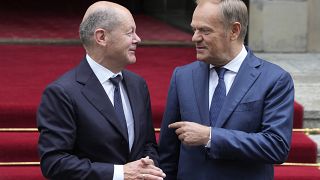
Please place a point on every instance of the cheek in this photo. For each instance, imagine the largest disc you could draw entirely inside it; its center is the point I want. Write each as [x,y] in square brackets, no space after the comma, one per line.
[212,46]
[210,41]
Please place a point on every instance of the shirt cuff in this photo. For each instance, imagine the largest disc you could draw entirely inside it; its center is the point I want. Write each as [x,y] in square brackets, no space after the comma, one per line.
[208,145]
[118,173]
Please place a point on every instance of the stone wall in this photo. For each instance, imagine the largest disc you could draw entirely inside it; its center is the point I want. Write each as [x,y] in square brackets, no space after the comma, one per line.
[284,25]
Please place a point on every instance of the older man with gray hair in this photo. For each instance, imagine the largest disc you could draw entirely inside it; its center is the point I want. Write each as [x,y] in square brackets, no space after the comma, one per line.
[95,121]
[229,114]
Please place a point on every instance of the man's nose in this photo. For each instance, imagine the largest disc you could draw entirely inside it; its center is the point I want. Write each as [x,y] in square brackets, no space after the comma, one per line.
[196,37]
[137,38]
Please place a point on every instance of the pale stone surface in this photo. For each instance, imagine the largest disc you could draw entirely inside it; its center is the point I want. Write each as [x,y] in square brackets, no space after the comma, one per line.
[285,26]
[255,31]
[314,26]
[278,25]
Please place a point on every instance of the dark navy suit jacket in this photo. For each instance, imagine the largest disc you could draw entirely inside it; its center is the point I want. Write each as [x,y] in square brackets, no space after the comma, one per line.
[80,136]
[253,130]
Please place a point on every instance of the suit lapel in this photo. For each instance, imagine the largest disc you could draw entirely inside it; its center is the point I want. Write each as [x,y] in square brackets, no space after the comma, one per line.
[245,78]
[96,95]
[201,88]
[134,99]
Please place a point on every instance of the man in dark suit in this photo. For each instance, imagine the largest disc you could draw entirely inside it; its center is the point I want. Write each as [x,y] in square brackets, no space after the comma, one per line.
[229,115]
[95,121]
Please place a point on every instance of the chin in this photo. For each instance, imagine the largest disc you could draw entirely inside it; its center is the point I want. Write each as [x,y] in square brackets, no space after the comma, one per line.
[201,57]
[132,60]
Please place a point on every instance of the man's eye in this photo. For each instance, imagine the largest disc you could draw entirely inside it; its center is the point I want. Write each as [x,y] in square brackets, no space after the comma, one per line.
[202,31]
[205,31]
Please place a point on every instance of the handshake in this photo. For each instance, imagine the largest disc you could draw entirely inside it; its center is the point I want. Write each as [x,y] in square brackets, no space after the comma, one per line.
[143,168]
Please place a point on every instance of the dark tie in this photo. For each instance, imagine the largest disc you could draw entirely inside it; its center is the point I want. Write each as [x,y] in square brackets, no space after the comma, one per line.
[218,97]
[118,102]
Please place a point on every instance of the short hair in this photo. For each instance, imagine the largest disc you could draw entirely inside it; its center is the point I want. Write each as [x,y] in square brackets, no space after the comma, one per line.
[106,19]
[232,11]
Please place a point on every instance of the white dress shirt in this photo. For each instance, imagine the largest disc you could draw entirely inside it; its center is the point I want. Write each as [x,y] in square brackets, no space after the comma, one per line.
[103,74]
[232,69]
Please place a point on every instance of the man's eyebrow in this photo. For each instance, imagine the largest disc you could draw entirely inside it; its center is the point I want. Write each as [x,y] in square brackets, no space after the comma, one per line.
[200,27]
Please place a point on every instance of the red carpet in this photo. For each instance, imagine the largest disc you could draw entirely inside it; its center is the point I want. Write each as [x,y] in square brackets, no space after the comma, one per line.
[296,173]
[19,147]
[18,25]
[20,172]
[303,149]
[25,71]
[23,81]
[298,116]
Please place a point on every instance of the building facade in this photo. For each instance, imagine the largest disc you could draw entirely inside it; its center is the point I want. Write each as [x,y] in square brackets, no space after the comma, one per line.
[290,26]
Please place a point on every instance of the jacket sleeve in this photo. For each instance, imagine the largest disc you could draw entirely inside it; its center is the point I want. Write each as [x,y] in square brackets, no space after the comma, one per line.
[151,147]
[169,146]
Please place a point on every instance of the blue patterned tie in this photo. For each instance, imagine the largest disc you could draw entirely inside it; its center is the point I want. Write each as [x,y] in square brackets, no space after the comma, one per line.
[118,102]
[218,97]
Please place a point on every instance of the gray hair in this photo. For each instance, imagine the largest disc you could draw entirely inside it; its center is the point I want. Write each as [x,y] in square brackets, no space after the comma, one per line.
[232,11]
[106,19]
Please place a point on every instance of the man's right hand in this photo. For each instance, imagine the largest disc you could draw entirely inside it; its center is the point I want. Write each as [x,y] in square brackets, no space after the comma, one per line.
[143,168]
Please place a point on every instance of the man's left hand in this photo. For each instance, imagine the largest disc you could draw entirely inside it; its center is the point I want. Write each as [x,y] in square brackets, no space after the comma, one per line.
[190,133]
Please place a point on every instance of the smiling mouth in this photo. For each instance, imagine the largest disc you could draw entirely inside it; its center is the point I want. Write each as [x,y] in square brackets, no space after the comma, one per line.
[131,51]
[133,48]
[200,48]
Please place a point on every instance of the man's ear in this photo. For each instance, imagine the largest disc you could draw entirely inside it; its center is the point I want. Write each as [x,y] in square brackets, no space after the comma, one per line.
[100,36]
[235,31]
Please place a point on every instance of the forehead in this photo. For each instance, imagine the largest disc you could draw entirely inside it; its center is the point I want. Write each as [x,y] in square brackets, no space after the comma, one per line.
[206,14]
[128,20]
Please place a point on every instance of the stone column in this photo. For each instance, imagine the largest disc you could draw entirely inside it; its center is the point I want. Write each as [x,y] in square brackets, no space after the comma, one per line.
[314,26]
[278,25]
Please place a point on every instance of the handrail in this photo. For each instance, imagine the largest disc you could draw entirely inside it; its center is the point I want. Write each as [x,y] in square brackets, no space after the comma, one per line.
[19,163]
[18,129]
[308,130]
[301,164]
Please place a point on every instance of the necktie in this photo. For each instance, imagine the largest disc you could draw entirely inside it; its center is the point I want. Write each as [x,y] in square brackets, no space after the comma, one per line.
[118,102]
[218,97]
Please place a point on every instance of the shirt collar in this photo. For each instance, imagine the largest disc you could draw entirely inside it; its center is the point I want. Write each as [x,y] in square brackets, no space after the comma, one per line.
[234,64]
[103,74]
